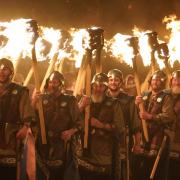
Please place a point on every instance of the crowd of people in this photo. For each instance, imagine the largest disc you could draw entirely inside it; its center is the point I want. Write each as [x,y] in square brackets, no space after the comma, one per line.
[115,148]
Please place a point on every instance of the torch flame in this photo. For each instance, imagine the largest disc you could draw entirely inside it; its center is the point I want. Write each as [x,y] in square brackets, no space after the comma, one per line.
[51,35]
[144,47]
[19,38]
[173,25]
[80,42]
[119,48]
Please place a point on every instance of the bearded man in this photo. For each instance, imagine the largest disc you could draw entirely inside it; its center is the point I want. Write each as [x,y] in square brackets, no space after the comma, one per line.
[159,116]
[106,125]
[175,147]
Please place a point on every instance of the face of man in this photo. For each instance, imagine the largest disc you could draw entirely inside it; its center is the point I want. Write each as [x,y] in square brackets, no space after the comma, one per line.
[156,85]
[98,92]
[5,74]
[114,83]
[53,85]
[176,85]
[131,81]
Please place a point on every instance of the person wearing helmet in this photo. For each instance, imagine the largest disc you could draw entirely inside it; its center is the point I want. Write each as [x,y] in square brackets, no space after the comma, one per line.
[159,116]
[62,121]
[16,115]
[115,90]
[130,86]
[174,165]
[106,123]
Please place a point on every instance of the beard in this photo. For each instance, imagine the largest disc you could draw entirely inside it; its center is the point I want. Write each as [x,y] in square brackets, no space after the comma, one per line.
[97,98]
[157,88]
[176,90]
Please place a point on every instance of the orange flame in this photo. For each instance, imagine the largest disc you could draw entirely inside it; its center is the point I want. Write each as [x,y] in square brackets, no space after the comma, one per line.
[144,47]
[80,42]
[52,36]
[173,25]
[18,38]
[119,48]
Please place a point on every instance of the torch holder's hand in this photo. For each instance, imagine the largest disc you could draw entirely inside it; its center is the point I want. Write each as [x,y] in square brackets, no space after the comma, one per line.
[138,100]
[35,97]
[84,102]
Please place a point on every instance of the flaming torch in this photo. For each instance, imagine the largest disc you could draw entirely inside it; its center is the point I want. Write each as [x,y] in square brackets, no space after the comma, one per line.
[163,55]
[151,39]
[133,42]
[34,28]
[15,41]
[96,43]
[46,48]
[153,42]
[54,37]
[173,24]
[80,44]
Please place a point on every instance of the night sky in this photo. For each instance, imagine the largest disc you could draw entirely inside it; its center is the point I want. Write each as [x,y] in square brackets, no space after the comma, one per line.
[113,15]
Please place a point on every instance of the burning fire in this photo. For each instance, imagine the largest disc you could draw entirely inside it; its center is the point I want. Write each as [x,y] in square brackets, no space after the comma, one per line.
[173,25]
[144,47]
[15,39]
[16,43]
[79,43]
[51,36]
[119,48]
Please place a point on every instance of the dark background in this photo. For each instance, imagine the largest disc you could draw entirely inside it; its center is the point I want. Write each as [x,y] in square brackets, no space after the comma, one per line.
[113,15]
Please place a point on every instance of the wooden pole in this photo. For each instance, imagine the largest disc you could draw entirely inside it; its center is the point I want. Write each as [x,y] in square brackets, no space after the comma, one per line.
[84,74]
[141,106]
[79,80]
[61,65]
[16,65]
[145,84]
[98,61]
[49,70]
[168,71]
[88,93]
[87,110]
[153,68]
[153,62]
[80,77]
[39,104]
[127,154]
[28,77]
[158,157]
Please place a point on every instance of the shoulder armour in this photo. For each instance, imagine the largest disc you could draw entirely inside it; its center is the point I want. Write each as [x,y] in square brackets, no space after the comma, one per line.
[16,88]
[162,95]
[167,91]
[146,95]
